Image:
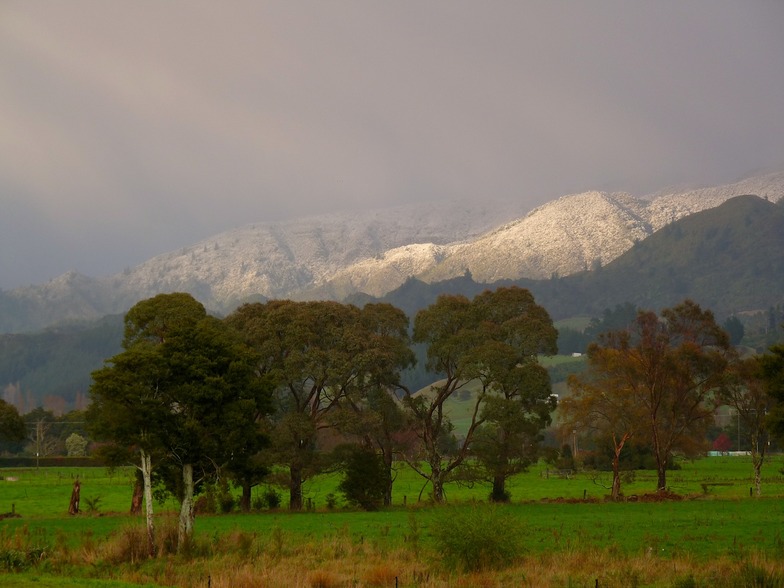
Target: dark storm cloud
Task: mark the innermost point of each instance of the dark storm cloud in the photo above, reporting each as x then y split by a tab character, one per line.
128	129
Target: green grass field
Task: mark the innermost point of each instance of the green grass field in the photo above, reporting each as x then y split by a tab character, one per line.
713	521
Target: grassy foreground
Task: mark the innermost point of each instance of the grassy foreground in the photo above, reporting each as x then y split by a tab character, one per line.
715	535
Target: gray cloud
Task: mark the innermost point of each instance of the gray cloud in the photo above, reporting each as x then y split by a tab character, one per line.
128	129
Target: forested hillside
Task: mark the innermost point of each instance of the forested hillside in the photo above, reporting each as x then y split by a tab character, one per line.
52	368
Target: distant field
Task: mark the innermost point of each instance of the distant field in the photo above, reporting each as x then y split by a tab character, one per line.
578	323
46	492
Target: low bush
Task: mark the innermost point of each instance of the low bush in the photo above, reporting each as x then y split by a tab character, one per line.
477	538
271	499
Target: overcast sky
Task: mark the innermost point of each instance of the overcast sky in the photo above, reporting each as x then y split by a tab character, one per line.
131	128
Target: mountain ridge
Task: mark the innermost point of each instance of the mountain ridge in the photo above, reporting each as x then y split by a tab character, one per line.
374	252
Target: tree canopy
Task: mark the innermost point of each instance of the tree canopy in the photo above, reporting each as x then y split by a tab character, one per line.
493	339
184	391
319	355
656	379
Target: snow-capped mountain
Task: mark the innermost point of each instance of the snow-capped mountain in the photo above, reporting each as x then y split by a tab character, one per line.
571	234
374	252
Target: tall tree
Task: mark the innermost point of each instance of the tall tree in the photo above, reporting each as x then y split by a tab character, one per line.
127	411
670	367
185	390
507	442
747	393
491	340
318	354
517	408
215	396
12	426
371	409
772	366
603	403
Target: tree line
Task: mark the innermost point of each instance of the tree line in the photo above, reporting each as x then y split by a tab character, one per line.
298	388
275	385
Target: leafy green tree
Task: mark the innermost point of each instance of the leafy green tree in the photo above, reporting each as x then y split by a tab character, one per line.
319	354
248	466
507	443
76	445
492	339
365	477
12	426
772	366
185	389
215	397
128	412
516	331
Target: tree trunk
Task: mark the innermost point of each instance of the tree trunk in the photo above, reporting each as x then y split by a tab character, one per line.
147	479
616	465
661	460
185	527
245	498
295	488
73	507
499	489
387	455
758	477
138	494
616	483
437	480
757	458
661	469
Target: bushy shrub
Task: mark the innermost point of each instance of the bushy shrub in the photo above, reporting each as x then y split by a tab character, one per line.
271	499
475	538
365	479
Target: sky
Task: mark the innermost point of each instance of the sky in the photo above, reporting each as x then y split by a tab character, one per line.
129	129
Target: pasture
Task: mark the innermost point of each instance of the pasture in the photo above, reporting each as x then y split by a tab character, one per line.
570	534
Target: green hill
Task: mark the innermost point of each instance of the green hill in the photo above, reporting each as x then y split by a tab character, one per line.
729	258
53	367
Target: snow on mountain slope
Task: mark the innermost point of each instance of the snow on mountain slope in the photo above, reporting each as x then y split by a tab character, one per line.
375	252
562	237
288	259
669	207
573	233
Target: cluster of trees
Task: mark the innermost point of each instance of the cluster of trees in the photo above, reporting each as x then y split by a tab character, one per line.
298	388
303	386
622	317
658	382
40	433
